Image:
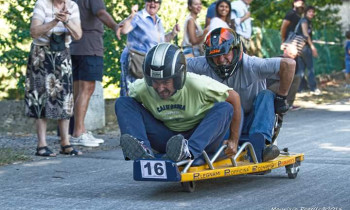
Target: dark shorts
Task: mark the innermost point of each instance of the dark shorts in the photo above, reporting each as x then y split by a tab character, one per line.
347	66
87	67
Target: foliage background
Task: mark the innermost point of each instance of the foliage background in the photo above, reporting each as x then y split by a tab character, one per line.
268	15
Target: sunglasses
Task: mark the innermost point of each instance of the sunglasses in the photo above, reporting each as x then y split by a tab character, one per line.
155	1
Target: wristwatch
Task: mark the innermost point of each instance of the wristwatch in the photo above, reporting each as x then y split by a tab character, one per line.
66	22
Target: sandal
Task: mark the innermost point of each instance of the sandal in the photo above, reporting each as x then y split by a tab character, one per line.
72	152
44	152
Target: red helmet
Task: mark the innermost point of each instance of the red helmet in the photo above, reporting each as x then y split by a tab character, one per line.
221	41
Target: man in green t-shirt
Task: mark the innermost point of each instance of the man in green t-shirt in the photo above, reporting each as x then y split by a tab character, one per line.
175	112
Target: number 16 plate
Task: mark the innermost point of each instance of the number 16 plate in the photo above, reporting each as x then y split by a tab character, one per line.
156	170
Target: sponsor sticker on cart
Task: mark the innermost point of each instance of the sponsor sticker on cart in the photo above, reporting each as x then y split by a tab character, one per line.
153	169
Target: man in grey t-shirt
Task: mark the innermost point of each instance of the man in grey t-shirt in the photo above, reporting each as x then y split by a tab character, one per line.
225	61
87	61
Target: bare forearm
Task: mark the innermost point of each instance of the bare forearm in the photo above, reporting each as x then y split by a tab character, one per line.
309	41
107	19
74	29
37	30
198	39
283	34
127	27
283	30
244	18
286	74
236	119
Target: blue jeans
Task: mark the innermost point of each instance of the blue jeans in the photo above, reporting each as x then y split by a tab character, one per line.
260	120
125	77
209	134
305	60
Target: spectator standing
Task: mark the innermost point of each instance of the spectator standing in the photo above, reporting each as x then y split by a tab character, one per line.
243	23
49	83
145	30
87	60
289	23
193	32
292	18
347	60
210	13
305	60
223	16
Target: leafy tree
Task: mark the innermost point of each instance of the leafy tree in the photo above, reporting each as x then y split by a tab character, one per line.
14	45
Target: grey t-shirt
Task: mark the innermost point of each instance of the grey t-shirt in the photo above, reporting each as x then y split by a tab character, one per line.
91	42
247	81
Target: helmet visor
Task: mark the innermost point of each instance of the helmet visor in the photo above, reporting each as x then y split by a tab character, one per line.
219	43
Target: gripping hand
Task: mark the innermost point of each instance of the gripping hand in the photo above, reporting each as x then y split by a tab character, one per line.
281	105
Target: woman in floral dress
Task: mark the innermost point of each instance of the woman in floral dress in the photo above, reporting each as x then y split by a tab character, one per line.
49	82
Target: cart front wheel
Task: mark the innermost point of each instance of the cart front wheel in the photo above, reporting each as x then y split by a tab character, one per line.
292	176
188	186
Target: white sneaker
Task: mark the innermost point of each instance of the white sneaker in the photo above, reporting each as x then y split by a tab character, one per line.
99	141
316	92
83	140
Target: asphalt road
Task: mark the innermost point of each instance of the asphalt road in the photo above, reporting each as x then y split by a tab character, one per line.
103	180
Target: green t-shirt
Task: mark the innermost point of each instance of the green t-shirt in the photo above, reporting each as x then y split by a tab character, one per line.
187	107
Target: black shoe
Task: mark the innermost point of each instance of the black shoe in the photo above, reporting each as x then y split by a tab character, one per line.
270	153
134	149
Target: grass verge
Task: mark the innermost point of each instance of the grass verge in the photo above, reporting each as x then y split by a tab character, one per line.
8	156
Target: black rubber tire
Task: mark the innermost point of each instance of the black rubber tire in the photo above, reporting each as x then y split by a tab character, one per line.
188	186
292	176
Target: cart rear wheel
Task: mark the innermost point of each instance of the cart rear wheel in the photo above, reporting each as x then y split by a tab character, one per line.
188	186
292	170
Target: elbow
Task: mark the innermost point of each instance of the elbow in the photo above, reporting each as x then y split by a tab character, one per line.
78	35
101	13
193	42
235	96
290	65
34	34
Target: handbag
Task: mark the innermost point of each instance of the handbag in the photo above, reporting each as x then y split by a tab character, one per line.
295	41
57	42
136	59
